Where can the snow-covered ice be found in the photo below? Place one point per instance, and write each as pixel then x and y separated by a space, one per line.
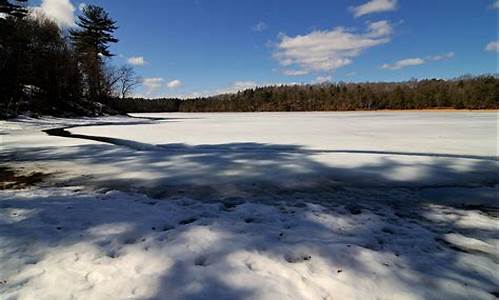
pixel 253 206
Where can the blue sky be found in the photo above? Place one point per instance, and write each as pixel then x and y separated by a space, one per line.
pixel 200 47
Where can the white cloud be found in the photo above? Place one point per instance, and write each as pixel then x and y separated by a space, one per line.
pixel 322 79
pixel 329 50
pixel 295 72
pixel 492 46
pixel 236 86
pixel 82 6
pixel 415 61
pixel 137 61
pixel 350 74
pixel 174 84
pixel 404 63
pixel 261 26
pixel 232 88
pixel 379 29
pixel 374 6
pixel 152 85
pixel 441 57
pixel 60 11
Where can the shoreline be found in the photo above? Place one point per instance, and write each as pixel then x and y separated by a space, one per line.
pixel 488 110
pixel 436 110
pixel 129 114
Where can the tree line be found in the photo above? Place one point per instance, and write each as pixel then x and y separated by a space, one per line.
pixel 47 70
pixel 466 92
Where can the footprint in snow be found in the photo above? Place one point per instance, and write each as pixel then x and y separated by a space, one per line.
pixel 112 254
pixel 354 210
pixel 187 221
pixel 292 258
pixel 201 261
pixel 250 265
pixel 129 240
pixel 231 203
pixel 31 260
pixel 167 227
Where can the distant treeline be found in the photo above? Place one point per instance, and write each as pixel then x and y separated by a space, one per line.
pixel 140 105
pixel 467 92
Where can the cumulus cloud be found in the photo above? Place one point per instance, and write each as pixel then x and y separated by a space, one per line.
pixel 374 6
pixel 137 61
pixel 174 84
pixel 295 72
pixel 322 79
pixel 232 88
pixel 157 87
pixel 492 46
pixel 152 85
pixel 60 11
pixel 261 26
pixel 235 87
pixel 415 61
pixel 321 51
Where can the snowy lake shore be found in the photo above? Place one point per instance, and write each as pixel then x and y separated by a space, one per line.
pixel 358 205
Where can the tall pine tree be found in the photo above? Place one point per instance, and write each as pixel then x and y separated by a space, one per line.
pixel 91 42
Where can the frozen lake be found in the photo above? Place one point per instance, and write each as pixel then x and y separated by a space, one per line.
pixel 228 151
pixel 235 154
pixel 423 132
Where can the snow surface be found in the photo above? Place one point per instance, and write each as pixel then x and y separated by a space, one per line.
pixel 253 206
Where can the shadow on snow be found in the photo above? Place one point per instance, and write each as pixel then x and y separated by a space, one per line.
pixel 230 174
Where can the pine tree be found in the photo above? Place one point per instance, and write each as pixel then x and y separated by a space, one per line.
pixel 11 9
pixel 13 45
pixel 91 42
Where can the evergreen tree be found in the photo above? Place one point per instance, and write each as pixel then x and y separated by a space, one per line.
pixel 91 42
pixel 13 9
pixel 13 44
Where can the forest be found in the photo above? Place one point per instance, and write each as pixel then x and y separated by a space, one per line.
pixel 466 92
pixel 45 70
pixel 470 93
